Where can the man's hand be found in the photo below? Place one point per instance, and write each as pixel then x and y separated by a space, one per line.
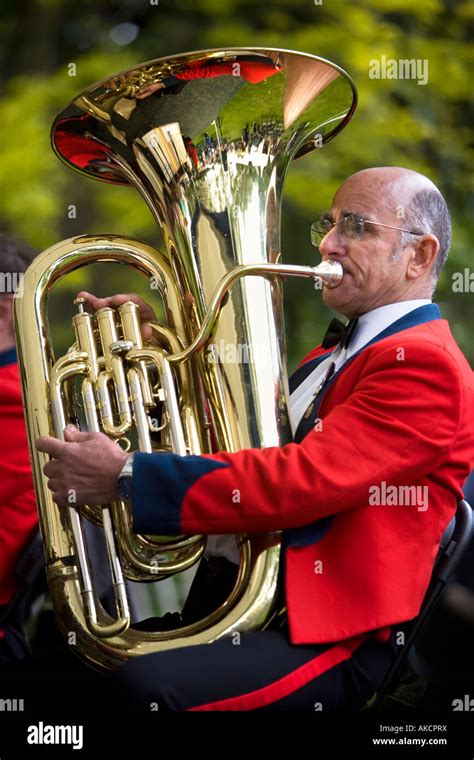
pixel 145 311
pixel 84 468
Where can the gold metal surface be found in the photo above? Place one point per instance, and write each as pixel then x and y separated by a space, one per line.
pixel 206 138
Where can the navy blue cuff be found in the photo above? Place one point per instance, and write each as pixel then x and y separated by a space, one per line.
pixel 8 357
pixel 159 485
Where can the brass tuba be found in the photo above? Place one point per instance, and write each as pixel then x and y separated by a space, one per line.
pixel 206 138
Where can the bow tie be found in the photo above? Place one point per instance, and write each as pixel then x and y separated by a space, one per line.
pixel 338 332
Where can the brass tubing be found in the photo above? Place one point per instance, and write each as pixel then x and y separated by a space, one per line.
pixel 114 374
pixel 129 317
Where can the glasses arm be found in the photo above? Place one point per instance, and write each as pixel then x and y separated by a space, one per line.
pixel 391 227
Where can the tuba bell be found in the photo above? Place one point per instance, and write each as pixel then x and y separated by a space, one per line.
pixel 206 138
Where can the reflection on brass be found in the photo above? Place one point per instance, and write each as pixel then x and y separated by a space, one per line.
pixel 206 138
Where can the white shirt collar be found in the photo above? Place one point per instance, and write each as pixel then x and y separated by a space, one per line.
pixel 374 322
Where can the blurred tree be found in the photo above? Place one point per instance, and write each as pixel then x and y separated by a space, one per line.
pixel 423 126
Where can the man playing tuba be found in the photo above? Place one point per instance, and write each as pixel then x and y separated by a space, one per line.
pixel 383 406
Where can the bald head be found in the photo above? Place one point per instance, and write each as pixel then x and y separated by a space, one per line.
pixel 413 201
pixel 395 180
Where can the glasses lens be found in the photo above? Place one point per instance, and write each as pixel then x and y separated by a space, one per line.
pixel 320 229
pixel 352 226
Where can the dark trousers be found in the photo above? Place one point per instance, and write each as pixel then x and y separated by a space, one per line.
pixel 260 670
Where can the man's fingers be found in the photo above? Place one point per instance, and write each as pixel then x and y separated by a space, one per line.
pixel 50 446
pixel 94 302
pixel 59 499
pixel 145 310
pixel 115 300
pixel 73 435
pixel 52 468
pixel 119 298
pixel 56 448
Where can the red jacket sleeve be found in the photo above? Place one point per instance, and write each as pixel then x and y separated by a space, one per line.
pixel 397 425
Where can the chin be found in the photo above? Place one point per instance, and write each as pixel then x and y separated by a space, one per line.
pixel 337 299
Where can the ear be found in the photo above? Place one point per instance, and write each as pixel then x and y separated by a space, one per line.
pixel 423 253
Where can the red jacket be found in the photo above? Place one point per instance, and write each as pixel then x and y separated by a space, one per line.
pixel 403 418
pixel 18 516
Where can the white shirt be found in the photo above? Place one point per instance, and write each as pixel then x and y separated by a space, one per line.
pixel 368 326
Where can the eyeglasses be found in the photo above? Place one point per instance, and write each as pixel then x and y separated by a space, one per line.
pixel 351 226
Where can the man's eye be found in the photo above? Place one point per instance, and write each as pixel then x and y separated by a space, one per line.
pixel 370 229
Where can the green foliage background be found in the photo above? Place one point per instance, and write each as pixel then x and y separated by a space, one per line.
pixel 398 122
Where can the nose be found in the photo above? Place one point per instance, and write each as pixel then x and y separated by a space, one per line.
pixel 332 243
